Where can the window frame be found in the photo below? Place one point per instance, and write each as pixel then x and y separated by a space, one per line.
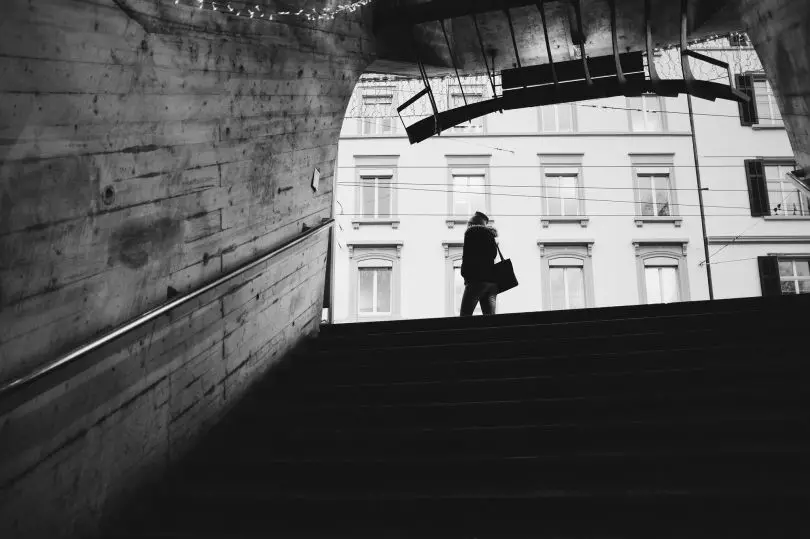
pixel 375 296
pixel 364 165
pixel 469 162
pixel 363 120
pixel 768 123
pixel 574 125
pixel 550 162
pixel 660 106
pixel 794 278
pixel 361 251
pixel 659 162
pixel 479 91
pixel 792 165
pixel 675 250
pixel 551 250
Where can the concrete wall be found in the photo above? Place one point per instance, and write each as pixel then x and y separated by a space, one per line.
pixel 144 146
pixel 780 31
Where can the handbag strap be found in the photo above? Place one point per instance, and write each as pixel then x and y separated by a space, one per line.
pixel 499 250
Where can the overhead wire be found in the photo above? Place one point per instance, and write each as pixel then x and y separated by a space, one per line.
pixel 545 197
pixel 545 215
pixel 741 234
pixel 632 109
pixel 537 186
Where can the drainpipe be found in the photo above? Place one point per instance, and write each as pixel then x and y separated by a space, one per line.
pixel 700 198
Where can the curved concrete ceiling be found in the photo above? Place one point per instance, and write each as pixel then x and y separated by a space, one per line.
pixel 400 25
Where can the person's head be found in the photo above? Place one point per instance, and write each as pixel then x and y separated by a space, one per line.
pixel 478 219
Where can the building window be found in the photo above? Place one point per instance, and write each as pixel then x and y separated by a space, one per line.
pixel 662 271
pixel 375 191
pixel 557 118
pixel 374 287
pixel 767 108
pixel 567 283
pixel 377 114
pixel 468 192
pixel 473 94
pixel 794 275
pixel 467 187
pixel 646 113
pixel 771 192
pixel 566 274
pixel 562 192
pixel 654 193
pixel 375 196
pixel 374 291
pixel 783 196
pixel 661 280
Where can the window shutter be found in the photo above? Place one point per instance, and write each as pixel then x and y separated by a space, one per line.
pixel 757 188
pixel 748 111
pixel 769 275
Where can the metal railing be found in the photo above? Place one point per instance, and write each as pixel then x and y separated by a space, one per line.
pixel 51 366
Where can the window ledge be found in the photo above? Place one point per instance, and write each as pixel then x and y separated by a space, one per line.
pixel 453 221
pixel 641 219
pixel 766 127
pixel 581 219
pixel 357 222
pixel 787 217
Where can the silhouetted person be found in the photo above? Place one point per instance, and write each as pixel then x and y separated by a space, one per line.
pixel 477 263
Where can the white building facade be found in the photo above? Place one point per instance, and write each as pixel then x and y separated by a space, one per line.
pixel 596 203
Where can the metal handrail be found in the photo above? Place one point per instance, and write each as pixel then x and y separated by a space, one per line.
pixel 150 315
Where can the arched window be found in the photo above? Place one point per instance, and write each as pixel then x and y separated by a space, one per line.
pixel 661 279
pixel 374 291
pixel 567 282
pixel 662 270
pixel 374 287
pixel 567 274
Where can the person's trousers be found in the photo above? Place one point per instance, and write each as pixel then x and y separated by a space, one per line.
pixel 479 291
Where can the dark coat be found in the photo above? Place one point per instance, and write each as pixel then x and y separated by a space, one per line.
pixel 478 256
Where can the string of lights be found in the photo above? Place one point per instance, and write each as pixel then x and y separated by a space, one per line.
pixel 252 10
pixel 536 186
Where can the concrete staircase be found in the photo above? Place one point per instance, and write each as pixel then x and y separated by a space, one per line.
pixel 675 421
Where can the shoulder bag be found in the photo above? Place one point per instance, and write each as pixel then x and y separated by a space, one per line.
pixel 504 273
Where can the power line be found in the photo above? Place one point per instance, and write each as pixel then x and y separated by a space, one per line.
pixel 552 166
pixel 734 260
pixel 537 186
pixel 633 109
pixel 498 216
pixel 521 195
pixel 741 234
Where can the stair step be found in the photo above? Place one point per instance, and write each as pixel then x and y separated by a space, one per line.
pixel 771 464
pixel 669 421
pixel 728 357
pixel 663 405
pixel 571 515
pixel 560 329
pixel 542 346
pixel 770 305
pixel 504 441
pixel 529 387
